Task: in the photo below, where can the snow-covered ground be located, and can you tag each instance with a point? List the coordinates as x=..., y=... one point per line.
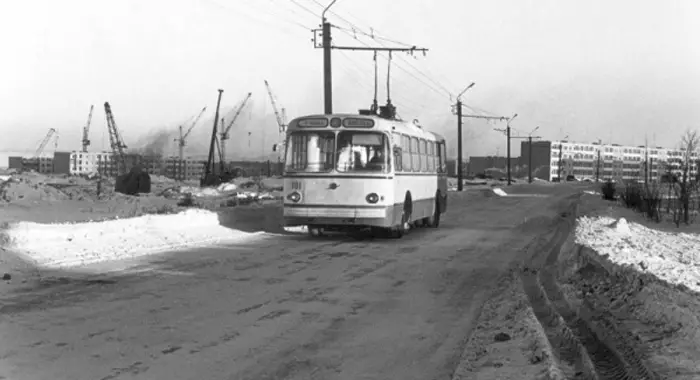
x=225, y=189
x=673, y=257
x=500, y=192
x=73, y=245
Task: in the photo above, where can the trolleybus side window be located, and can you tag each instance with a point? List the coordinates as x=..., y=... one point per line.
x=433, y=146
x=423, y=155
x=431, y=156
x=397, y=138
x=415, y=156
x=310, y=152
x=406, y=153
x=441, y=155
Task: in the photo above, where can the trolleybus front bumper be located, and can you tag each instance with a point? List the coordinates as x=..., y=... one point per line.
x=327, y=215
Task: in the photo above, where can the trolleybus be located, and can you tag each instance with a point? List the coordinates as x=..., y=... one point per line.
x=345, y=172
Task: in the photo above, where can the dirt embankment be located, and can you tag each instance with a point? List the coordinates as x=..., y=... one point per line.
x=597, y=319
x=44, y=198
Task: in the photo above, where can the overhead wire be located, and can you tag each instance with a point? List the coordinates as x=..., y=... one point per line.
x=306, y=9
x=375, y=36
x=437, y=84
x=241, y=10
x=403, y=102
x=433, y=88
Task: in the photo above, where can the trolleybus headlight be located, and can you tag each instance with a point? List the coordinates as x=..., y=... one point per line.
x=372, y=198
x=294, y=197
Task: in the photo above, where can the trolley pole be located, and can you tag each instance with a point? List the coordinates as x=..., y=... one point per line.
x=326, y=44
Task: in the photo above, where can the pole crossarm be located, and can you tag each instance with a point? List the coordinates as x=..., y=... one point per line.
x=487, y=117
x=369, y=48
x=526, y=137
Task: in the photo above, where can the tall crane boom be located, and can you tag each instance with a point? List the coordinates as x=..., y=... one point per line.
x=224, y=134
x=182, y=140
x=225, y=131
x=86, y=130
x=280, y=116
x=45, y=141
x=115, y=141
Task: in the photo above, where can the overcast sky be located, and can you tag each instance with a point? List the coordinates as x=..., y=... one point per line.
x=588, y=69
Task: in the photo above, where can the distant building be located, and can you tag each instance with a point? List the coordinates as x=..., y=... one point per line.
x=482, y=164
x=83, y=163
x=541, y=158
x=37, y=164
x=184, y=170
x=603, y=161
x=14, y=162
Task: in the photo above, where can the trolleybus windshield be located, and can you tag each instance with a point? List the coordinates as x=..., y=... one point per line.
x=346, y=152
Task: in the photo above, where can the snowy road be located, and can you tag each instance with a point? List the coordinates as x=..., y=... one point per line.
x=280, y=307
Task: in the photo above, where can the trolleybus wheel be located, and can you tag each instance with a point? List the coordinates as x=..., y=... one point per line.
x=434, y=221
x=315, y=231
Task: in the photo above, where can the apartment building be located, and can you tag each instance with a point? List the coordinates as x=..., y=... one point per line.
x=604, y=161
x=39, y=164
x=183, y=170
x=83, y=163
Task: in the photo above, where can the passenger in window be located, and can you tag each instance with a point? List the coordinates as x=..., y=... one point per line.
x=378, y=161
x=357, y=161
x=378, y=157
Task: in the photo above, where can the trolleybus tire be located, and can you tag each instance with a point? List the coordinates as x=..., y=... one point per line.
x=315, y=231
x=434, y=221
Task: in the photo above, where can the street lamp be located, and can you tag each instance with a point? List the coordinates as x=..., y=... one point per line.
x=561, y=148
x=529, y=156
x=460, y=185
x=597, y=164
x=508, y=147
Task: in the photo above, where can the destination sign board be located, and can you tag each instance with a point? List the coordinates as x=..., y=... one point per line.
x=354, y=122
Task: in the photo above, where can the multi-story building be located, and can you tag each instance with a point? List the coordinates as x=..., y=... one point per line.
x=83, y=163
x=183, y=170
x=604, y=161
x=39, y=164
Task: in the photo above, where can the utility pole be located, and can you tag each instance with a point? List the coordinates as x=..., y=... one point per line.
x=460, y=184
x=501, y=118
x=529, y=158
x=460, y=180
x=327, y=73
x=508, y=151
x=561, y=149
x=597, y=167
x=326, y=45
x=507, y=131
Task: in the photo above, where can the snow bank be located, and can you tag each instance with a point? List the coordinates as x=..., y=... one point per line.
x=498, y=191
x=225, y=189
x=673, y=257
x=69, y=245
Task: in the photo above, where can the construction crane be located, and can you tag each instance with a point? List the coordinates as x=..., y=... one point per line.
x=86, y=130
x=115, y=141
x=281, y=120
x=182, y=140
x=45, y=141
x=225, y=131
